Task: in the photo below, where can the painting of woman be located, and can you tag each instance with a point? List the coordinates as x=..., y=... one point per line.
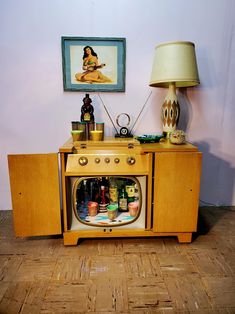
x=91, y=65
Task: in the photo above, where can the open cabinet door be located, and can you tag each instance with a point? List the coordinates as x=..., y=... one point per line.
x=34, y=181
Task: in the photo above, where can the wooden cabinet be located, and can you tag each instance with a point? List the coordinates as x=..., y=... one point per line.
x=176, y=192
x=172, y=198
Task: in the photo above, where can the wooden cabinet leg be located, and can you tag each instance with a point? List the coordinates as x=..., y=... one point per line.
x=70, y=238
x=185, y=237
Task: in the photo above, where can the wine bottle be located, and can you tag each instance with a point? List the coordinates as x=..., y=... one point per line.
x=103, y=200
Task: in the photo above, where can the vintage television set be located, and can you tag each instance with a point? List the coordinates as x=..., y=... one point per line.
x=125, y=176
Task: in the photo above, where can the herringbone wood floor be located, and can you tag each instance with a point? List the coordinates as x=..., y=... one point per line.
x=142, y=275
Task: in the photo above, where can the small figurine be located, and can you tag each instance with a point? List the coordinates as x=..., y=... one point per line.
x=87, y=110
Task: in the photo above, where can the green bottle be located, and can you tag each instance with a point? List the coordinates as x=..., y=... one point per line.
x=130, y=190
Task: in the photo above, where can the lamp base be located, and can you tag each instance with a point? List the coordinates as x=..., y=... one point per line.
x=170, y=111
x=167, y=134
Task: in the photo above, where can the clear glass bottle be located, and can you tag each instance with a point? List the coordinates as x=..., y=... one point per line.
x=123, y=200
x=113, y=191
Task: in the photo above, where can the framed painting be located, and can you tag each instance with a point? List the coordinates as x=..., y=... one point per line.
x=94, y=64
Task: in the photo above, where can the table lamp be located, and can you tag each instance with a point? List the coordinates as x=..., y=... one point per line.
x=174, y=66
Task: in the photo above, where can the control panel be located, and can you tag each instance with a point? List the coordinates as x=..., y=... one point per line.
x=108, y=163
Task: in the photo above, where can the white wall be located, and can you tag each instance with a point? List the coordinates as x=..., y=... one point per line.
x=35, y=112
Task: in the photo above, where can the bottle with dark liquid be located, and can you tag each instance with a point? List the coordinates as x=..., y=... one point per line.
x=95, y=191
x=87, y=110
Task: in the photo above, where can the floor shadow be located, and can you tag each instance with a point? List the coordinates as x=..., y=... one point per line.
x=208, y=217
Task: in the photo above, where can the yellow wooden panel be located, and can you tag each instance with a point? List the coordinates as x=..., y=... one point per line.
x=176, y=191
x=34, y=181
x=142, y=163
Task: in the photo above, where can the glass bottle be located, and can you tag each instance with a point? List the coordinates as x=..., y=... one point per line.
x=80, y=194
x=95, y=190
x=103, y=200
x=113, y=191
x=130, y=189
x=86, y=191
x=123, y=205
x=87, y=110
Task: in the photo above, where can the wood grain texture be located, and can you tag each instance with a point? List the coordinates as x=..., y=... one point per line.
x=176, y=191
x=121, y=275
x=34, y=181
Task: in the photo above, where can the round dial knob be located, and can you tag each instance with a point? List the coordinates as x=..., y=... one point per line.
x=107, y=160
x=97, y=160
x=82, y=161
x=116, y=160
x=130, y=160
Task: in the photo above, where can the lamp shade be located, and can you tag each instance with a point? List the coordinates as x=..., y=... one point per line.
x=175, y=62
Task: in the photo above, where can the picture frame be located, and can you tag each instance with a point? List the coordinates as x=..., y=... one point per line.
x=93, y=64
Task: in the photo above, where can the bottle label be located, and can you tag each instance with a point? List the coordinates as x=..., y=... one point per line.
x=123, y=204
x=130, y=189
x=113, y=195
x=87, y=116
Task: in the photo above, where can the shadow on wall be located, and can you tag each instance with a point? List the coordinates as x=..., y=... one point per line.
x=217, y=178
x=185, y=110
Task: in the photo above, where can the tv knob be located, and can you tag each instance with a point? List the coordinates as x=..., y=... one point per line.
x=116, y=160
x=130, y=160
x=83, y=161
x=97, y=160
x=107, y=160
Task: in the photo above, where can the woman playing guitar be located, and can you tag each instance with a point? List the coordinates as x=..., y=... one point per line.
x=90, y=66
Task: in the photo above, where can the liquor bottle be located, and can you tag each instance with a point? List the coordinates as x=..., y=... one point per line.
x=123, y=205
x=103, y=200
x=87, y=110
x=113, y=191
x=94, y=190
x=130, y=189
x=86, y=191
x=80, y=194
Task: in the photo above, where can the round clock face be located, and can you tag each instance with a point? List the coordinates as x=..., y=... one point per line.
x=124, y=131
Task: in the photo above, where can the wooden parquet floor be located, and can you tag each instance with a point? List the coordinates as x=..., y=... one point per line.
x=140, y=275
